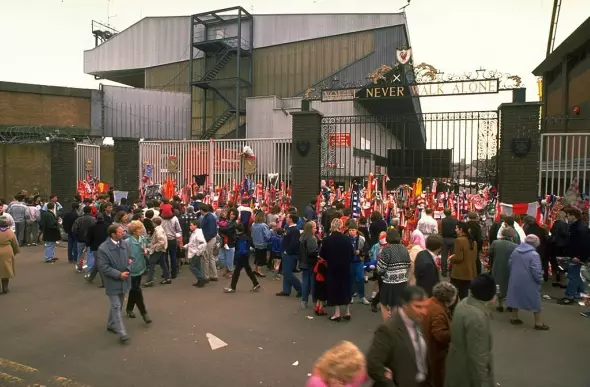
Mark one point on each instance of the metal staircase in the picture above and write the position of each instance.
(218, 123)
(224, 58)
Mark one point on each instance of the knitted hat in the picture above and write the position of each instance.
(483, 287)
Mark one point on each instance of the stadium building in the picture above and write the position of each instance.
(240, 75)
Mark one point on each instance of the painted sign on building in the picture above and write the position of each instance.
(339, 140)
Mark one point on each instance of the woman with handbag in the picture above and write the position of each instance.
(137, 266)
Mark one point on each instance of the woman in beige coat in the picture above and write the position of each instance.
(8, 249)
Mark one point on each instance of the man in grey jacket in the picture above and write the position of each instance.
(113, 263)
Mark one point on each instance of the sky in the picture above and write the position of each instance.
(44, 40)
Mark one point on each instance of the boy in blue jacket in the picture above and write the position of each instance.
(242, 261)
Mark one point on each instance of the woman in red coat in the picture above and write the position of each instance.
(436, 328)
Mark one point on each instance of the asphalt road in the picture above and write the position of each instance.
(52, 333)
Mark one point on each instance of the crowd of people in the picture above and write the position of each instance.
(429, 324)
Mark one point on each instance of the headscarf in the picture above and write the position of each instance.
(417, 238)
(532, 240)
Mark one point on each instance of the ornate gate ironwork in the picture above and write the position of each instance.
(87, 161)
(467, 142)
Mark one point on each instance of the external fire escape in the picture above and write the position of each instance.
(221, 39)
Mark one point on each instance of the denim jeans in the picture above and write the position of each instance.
(20, 232)
(357, 279)
(72, 249)
(226, 257)
(49, 251)
(89, 260)
(307, 285)
(196, 268)
(289, 280)
(575, 285)
(80, 247)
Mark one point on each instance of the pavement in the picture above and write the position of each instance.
(52, 333)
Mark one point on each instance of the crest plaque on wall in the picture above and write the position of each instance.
(88, 165)
(521, 146)
(172, 164)
(249, 165)
(303, 147)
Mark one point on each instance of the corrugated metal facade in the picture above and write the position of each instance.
(270, 30)
(150, 114)
(283, 70)
(153, 41)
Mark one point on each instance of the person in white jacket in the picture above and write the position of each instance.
(509, 222)
(195, 248)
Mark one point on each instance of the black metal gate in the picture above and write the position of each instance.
(458, 147)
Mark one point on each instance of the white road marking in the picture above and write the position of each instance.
(215, 342)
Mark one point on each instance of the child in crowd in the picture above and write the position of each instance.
(166, 210)
(343, 365)
(195, 248)
(374, 255)
(319, 292)
(269, 259)
(357, 272)
(242, 261)
(222, 223)
(275, 251)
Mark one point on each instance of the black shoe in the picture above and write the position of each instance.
(112, 330)
(199, 284)
(213, 279)
(298, 295)
(347, 317)
(130, 314)
(124, 339)
(282, 294)
(166, 282)
(148, 284)
(336, 319)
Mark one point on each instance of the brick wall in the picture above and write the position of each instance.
(518, 176)
(126, 165)
(63, 171)
(38, 105)
(24, 167)
(306, 168)
(107, 165)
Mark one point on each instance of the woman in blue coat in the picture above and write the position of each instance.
(524, 285)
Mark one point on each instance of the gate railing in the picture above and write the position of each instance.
(222, 160)
(564, 159)
(87, 161)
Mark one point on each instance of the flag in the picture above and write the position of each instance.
(355, 200)
(520, 209)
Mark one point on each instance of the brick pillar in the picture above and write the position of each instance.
(63, 171)
(518, 169)
(305, 157)
(126, 166)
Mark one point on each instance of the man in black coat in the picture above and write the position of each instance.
(67, 224)
(425, 269)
